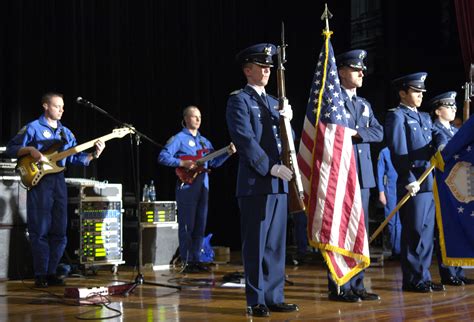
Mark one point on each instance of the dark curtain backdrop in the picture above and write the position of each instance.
(143, 61)
(465, 19)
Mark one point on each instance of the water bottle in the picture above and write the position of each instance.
(152, 191)
(146, 193)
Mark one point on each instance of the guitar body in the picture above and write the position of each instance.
(31, 171)
(188, 176)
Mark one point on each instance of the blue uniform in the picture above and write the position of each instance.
(360, 117)
(253, 124)
(192, 199)
(412, 141)
(47, 201)
(446, 271)
(387, 182)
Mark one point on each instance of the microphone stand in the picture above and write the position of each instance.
(137, 135)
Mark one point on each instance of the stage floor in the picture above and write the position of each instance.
(202, 298)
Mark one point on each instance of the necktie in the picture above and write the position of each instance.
(264, 98)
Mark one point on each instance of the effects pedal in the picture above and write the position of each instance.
(85, 292)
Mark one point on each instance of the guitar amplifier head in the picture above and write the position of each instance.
(158, 212)
(98, 191)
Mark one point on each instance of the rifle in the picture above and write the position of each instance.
(468, 92)
(288, 156)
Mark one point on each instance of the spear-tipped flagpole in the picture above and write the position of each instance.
(326, 16)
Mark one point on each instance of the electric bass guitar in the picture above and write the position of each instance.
(32, 171)
(188, 175)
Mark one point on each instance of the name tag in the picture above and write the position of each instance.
(412, 122)
(256, 107)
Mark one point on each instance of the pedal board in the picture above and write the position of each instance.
(85, 292)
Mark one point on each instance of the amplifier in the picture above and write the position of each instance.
(98, 219)
(156, 212)
(100, 231)
(158, 244)
(7, 166)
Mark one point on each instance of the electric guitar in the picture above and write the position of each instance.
(32, 171)
(188, 175)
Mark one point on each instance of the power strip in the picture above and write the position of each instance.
(85, 292)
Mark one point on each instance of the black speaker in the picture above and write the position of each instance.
(158, 244)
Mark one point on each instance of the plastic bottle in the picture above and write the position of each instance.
(146, 193)
(152, 191)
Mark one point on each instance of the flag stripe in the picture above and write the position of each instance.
(329, 176)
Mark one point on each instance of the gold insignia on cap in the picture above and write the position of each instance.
(362, 55)
(423, 77)
(267, 50)
(453, 95)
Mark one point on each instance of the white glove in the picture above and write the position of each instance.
(282, 172)
(413, 188)
(441, 147)
(287, 112)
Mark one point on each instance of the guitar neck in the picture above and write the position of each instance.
(81, 147)
(212, 155)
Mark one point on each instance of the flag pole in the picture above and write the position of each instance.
(400, 204)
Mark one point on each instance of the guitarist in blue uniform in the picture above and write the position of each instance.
(262, 183)
(412, 141)
(47, 201)
(191, 198)
(443, 109)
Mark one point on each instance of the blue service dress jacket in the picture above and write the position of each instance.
(360, 117)
(257, 140)
(448, 133)
(412, 140)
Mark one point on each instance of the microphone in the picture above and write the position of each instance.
(85, 102)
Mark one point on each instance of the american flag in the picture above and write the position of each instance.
(327, 164)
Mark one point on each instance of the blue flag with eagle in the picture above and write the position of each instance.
(454, 197)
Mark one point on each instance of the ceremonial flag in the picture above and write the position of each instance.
(327, 165)
(454, 197)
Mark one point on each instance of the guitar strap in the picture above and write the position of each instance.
(62, 134)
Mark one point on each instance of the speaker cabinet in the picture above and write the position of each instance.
(158, 243)
(12, 202)
(15, 253)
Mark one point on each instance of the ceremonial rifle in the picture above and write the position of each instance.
(468, 92)
(288, 156)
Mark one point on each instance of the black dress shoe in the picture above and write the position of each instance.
(259, 310)
(466, 281)
(435, 287)
(452, 280)
(344, 296)
(41, 281)
(419, 288)
(283, 307)
(53, 280)
(366, 296)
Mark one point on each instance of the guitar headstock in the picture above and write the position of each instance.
(121, 132)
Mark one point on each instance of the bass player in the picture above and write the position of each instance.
(47, 201)
(191, 196)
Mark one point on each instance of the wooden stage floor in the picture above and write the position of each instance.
(203, 299)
